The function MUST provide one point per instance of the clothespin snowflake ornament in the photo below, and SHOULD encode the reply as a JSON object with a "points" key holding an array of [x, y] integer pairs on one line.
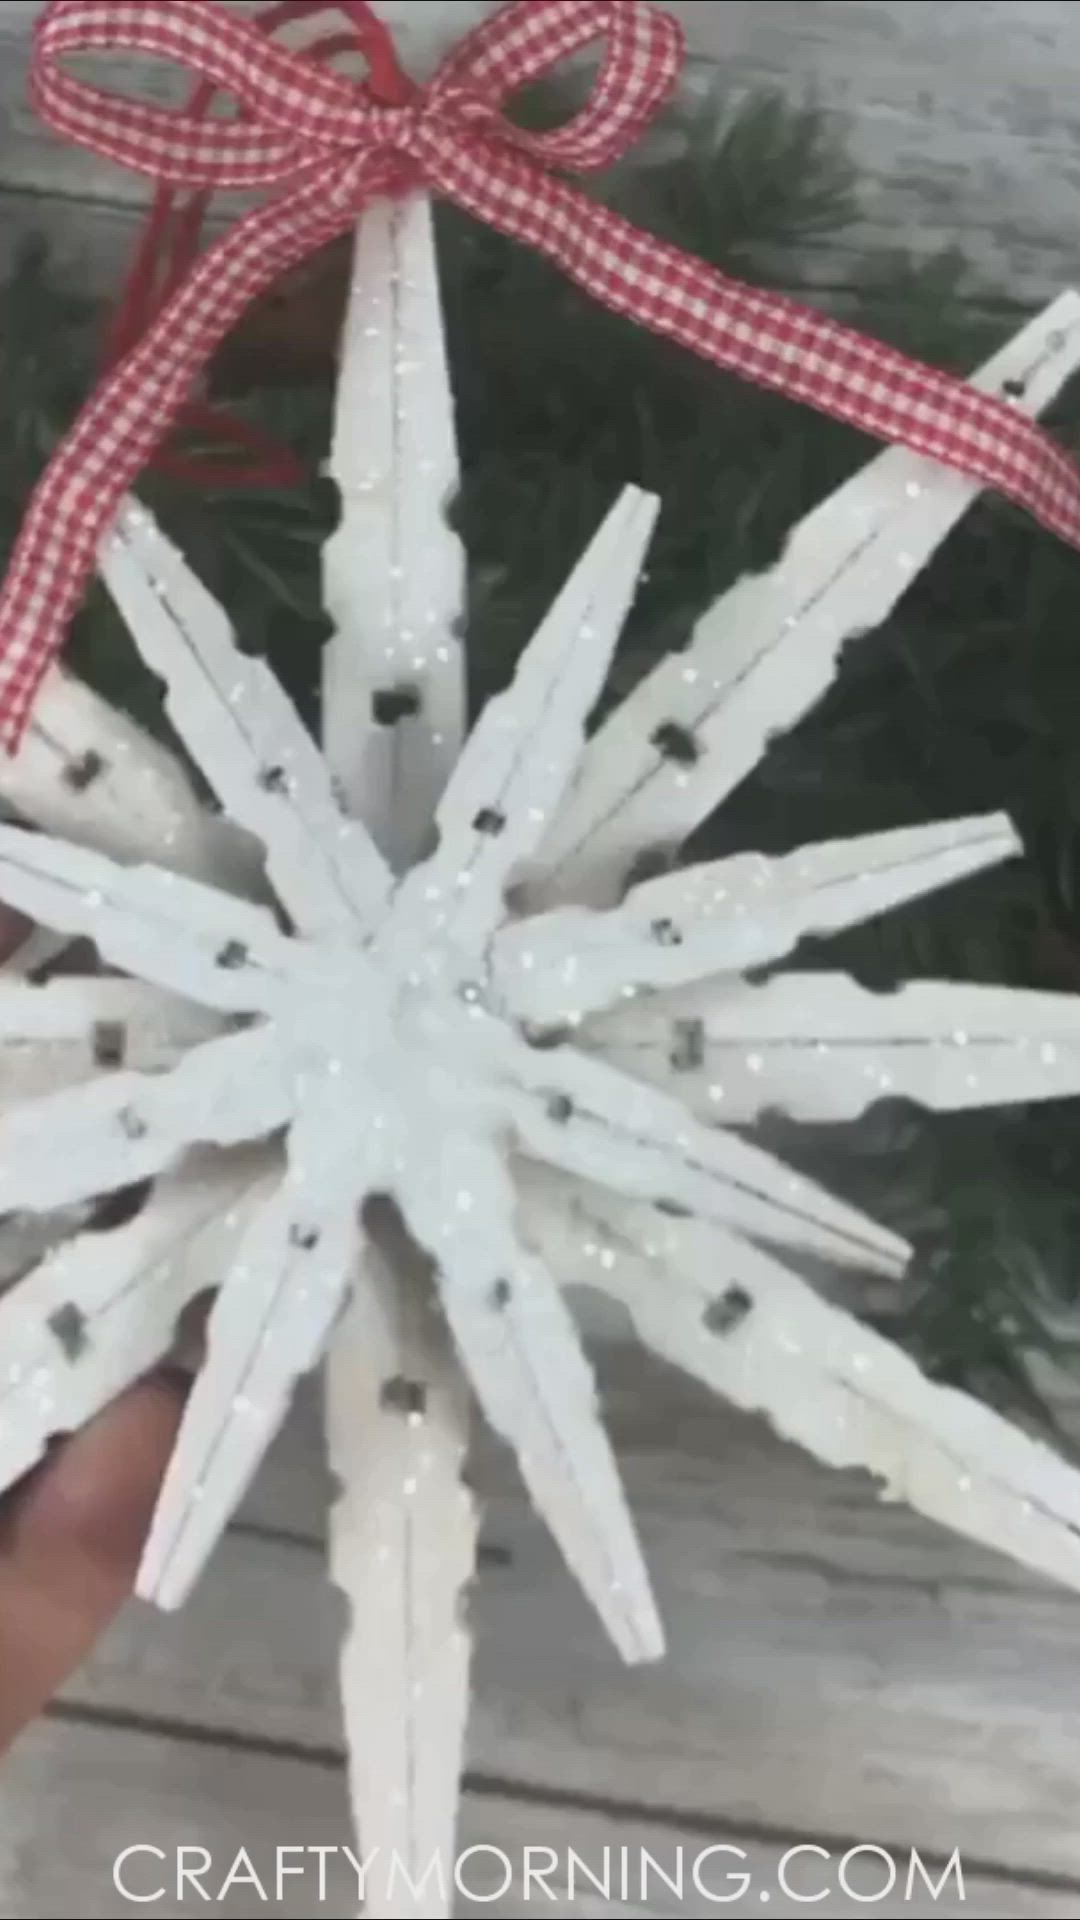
{"points": [[390, 1121]]}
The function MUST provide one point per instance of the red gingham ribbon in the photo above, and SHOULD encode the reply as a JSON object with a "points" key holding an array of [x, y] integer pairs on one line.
{"points": [[325, 144]]}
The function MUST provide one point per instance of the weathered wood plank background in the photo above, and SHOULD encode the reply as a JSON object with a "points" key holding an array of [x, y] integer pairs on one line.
{"points": [[838, 1671], [964, 121]]}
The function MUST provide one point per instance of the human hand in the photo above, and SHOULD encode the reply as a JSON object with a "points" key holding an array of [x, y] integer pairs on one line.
{"points": [[71, 1533], [70, 1540]]}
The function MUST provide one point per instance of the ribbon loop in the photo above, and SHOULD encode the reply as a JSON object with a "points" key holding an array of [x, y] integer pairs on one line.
{"points": [[295, 110], [641, 63]]}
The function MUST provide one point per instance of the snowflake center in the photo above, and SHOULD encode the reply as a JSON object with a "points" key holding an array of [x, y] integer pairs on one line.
{"points": [[357, 1014]]}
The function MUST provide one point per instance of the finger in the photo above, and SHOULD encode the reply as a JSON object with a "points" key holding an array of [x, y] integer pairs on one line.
{"points": [[14, 928], [71, 1544]]}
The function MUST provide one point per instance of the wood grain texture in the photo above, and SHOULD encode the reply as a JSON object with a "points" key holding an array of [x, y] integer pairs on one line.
{"points": [[963, 120], [836, 1668], [107, 1790]]}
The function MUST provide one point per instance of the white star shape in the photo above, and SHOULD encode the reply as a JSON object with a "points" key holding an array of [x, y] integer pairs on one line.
{"points": [[380, 1032], [535, 1056]]}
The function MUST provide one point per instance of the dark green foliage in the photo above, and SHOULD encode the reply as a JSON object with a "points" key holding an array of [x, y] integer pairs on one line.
{"points": [[969, 699]]}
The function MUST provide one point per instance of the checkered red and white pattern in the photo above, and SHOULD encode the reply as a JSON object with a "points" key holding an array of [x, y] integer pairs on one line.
{"points": [[324, 145]]}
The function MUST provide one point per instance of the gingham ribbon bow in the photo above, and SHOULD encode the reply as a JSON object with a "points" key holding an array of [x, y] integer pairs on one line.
{"points": [[325, 144]]}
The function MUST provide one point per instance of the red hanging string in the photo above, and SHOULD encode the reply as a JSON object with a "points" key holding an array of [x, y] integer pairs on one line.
{"points": [[170, 242]]}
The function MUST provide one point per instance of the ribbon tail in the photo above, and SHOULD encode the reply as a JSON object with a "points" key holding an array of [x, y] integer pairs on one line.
{"points": [[763, 337], [120, 426]]}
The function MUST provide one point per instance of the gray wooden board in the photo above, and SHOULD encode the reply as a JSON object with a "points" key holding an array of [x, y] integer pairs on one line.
{"points": [[835, 1667], [100, 1791], [963, 120]]}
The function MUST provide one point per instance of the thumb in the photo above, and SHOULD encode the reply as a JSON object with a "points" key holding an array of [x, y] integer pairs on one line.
{"points": [[71, 1540]]}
